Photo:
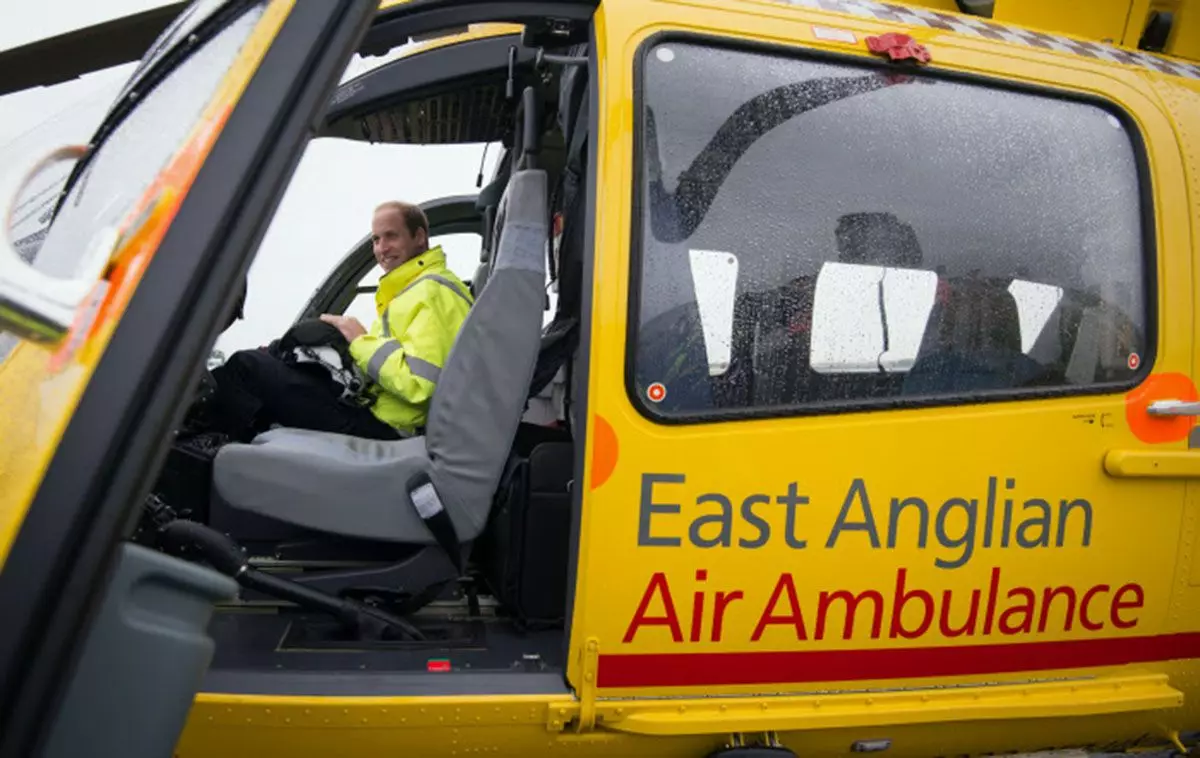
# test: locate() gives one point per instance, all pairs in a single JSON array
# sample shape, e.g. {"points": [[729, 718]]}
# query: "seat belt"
{"points": [[561, 334], [429, 507]]}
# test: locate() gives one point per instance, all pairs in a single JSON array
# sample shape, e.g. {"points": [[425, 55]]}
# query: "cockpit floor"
{"points": [[286, 653]]}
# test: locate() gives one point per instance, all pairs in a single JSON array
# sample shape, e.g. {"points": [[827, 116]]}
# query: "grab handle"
{"points": [[35, 305], [1173, 408]]}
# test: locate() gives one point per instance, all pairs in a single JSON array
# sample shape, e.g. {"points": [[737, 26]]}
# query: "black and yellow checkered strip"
{"points": [[978, 27]]}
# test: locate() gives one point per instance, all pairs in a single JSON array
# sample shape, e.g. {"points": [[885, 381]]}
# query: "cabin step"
{"points": [[1076, 697]]}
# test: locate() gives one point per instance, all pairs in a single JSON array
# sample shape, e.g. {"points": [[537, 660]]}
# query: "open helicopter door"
{"points": [[104, 644]]}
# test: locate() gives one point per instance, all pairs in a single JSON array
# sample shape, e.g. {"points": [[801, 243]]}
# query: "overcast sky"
{"points": [[326, 209]]}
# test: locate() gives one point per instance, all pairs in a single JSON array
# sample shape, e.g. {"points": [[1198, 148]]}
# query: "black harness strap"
{"points": [[429, 507]]}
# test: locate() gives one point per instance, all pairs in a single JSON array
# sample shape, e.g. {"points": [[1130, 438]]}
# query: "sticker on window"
{"points": [[832, 34], [714, 277]]}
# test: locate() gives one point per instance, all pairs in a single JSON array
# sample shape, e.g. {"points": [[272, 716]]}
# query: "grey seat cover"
{"points": [[480, 278], [357, 487]]}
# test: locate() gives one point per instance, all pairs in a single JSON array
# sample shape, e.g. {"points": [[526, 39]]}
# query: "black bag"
{"points": [[526, 563], [311, 332]]}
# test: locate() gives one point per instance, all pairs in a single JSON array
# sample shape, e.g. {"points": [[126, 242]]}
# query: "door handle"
{"points": [[1153, 464], [1173, 408]]}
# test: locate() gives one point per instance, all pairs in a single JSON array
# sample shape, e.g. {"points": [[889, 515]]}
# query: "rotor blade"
{"points": [[67, 56]]}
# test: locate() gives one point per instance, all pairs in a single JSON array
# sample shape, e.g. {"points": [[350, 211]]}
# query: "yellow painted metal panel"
{"points": [[946, 6], [943, 453], [1185, 37], [990, 720], [1098, 19], [1121, 694]]}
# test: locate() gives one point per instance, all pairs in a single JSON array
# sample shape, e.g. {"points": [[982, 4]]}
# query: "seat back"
{"points": [[481, 394], [972, 342], [974, 317]]}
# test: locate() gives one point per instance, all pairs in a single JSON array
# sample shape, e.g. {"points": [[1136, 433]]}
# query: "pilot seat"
{"points": [[429, 496]]}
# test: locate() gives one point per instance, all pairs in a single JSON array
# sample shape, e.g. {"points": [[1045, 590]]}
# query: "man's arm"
{"points": [[395, 362]]}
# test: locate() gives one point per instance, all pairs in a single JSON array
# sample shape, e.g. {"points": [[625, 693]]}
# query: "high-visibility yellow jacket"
{"points": [[421, 306]]}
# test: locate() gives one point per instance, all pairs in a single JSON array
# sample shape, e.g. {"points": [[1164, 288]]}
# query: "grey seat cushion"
{"points": [[320, 481]]}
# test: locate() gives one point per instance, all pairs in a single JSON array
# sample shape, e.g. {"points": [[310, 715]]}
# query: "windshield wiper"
{"points": [[156, 67]]}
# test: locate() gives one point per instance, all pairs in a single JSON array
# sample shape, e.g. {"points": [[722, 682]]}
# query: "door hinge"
{"points": [[587, 689], [580, 716]]}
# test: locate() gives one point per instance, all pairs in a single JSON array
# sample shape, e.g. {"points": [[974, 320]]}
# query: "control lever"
{"points": [[225, 556]]}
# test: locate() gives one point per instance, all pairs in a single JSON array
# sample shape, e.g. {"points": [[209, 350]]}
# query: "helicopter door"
{"points": [[103, 645], [876, 421]]}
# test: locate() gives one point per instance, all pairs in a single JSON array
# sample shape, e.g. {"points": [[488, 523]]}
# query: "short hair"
{"points": [[414, 217]]}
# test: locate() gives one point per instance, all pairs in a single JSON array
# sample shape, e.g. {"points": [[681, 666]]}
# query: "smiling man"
{"points": [[420, 304], [338, 376]]}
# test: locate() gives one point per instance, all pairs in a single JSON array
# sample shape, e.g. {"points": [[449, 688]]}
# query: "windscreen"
{"points": [[130, 156]]}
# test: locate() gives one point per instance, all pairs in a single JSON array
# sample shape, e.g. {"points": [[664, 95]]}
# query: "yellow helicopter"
{"points": [[861, 422]]}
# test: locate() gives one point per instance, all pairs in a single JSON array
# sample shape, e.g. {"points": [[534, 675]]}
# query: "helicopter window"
{"points": [[816, 234], [131, 156]]}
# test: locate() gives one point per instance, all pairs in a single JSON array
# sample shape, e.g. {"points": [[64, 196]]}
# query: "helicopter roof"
{"points": [[125, 39]]}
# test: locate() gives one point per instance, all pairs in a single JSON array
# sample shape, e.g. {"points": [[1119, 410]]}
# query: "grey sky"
{"points": [[326, 209]]}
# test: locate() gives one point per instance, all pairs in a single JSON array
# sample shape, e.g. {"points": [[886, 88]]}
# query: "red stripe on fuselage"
{"points": [[788, 667]]}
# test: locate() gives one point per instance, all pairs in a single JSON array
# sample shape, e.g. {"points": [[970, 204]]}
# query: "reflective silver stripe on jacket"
{"points": [[375, 365], [419, 366], [423, 368], [387, 328]]}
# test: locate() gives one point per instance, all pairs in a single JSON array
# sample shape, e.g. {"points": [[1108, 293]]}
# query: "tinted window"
{"points": [[816, 233]]}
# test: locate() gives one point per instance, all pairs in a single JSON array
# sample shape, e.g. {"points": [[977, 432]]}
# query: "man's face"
{"points": [[393, 243]]}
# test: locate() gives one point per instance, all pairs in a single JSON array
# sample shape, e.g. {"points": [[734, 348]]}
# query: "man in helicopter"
{"points": [[336, 375]]}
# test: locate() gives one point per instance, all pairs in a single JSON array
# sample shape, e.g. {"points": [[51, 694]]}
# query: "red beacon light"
{"points": [[898, 47]]}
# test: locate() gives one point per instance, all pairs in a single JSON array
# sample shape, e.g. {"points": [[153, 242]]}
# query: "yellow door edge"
{"points": [[1104, 695], [267, 711]]}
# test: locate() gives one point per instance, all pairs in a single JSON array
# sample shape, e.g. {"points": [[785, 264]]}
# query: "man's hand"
{"points": [[349, 326]]}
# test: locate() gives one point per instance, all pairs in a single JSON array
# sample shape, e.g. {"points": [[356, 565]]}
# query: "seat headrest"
{"points": [[977, 316], [523, 211], [490, 195]]}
